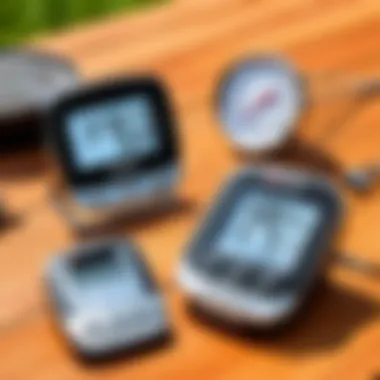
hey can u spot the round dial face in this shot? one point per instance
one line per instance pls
(260, 102)
(31, 80)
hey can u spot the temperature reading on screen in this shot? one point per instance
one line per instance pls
(113, 133)
(268, 231)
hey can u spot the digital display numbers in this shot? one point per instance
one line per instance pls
(112, 133)
(269, 231)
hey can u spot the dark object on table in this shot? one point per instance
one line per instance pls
(1, 212)
(30, 81)
(363, 179)
(7, 219)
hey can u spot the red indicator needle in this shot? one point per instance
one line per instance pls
(265, 100)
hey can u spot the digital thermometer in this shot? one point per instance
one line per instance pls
(259, 102)
(260, 250)
(115, 145)
(105, 298)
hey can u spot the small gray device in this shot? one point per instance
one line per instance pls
(105, 298)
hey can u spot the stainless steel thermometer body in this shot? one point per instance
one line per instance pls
(259, 102)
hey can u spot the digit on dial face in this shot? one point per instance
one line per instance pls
(260, 103)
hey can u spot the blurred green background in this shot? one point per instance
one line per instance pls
(22, 19)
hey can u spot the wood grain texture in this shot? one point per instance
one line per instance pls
(189, 43)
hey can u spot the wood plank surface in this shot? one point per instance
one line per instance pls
(189, 44)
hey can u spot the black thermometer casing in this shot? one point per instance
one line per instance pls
(136, 172)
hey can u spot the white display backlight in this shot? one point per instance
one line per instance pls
(269, 231)
(113, 133)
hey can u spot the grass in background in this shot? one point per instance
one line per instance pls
(20, 19)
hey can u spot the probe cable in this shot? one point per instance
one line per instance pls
(361, 92)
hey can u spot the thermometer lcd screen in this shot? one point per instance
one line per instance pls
(103, 274)
(269, 231)
(113, 133)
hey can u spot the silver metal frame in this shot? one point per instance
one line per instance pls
(91, 208)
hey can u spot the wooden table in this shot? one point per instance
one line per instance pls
(189, 43)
